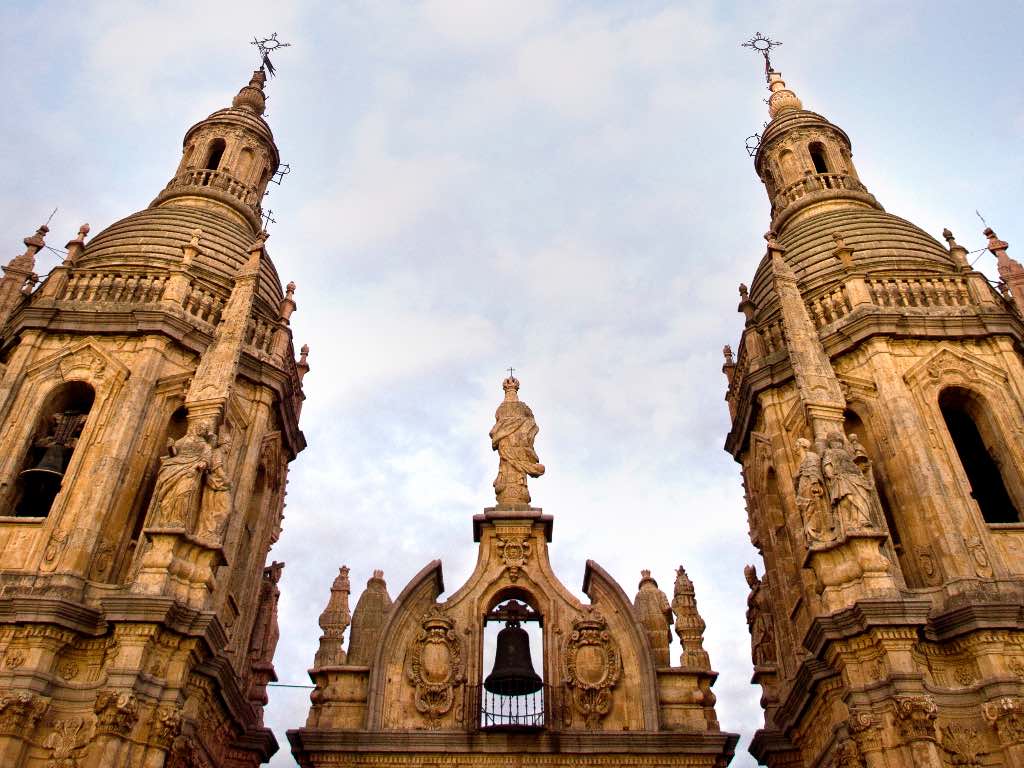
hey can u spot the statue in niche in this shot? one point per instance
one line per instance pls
(811, 499)
(851, 492)
(512, 437)
(192, 487)
(215, 506)
(759, 619)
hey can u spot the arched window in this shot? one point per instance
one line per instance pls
(977, 444)
(215, 154)
(817, 150)
(54, 439)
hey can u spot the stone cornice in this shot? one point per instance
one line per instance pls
(39, 609)
(305, 740)
(863, 616)
(976, 617)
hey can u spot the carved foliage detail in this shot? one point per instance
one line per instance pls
(436, 669)
(1006, 715)
(916, 717)
(19, 712)
(592, 666)
(116, 712)
(66, 742)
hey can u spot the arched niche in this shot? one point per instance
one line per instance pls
(58, 425)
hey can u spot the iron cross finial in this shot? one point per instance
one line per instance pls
(510, 370)
(266, 46)
(762, 45)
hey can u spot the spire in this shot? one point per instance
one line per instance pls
(655, 615)
(1010, 270)
(18, 274)
(689, 624)
(368, 620)
(782, 99)
(251, 96)
(334, 621)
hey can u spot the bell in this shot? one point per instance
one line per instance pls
(42, 483)
(513, 673)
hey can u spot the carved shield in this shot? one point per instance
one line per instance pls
(436, 663)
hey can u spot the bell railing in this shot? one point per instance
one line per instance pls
(495, 711)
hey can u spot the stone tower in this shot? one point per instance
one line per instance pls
(413, 688)
(877, 403)
(149, 407)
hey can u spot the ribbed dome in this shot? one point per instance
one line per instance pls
(159, 234)
(881, 243)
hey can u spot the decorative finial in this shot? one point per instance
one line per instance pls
(267, 46)
(512, 437)
(302, 365)
(762, 45)
(251, 96)
(727, 354)
(744, 292)
(287, 306)
(76, 246)
(957, 251)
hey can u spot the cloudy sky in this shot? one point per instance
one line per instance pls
(557, 186)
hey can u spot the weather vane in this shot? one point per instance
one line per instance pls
(762, 45)
(282, 170)
(267, 46)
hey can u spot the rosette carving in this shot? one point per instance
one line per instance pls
(436, 668)
(592, 666)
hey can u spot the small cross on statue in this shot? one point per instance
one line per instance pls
(762, 45)
(510, 371)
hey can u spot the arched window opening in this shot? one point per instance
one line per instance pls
(974, 439)
(817, 150)
(216, 153)
(513, 693)
(54, 439)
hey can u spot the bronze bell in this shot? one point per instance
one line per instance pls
(513, 673)
(42, 483)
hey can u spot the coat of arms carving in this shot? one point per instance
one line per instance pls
(591, 665)
(436, 668)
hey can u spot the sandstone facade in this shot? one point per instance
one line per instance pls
(149, 406)
(877, 403)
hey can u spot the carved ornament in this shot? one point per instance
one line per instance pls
(1006, 715)
(65, 743)
(166, 725)
(514, 551)
(916, 717)
(591, 665)
(19, 712)
(436, 668)
(963, 743)
(116, 712)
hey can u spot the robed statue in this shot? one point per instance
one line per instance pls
(512, 437)
(851, 491)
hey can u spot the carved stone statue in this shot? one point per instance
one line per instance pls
(759, 620)
(655, 615)
(215, 506)
(512, 437)
(265, 634)
(852, 493)
(179, 482)
(368, 620)
(815, 508)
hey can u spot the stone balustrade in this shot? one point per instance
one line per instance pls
(829, 307)
(815, 182)
(225, 182)
(117, 287)
(203, 304)
(259, 336)
(773, 336)
(919, 292)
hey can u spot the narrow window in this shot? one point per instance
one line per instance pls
(216, 153)
(988, 486)
(818, 158)
(53, 442)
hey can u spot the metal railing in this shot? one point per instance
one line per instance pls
(496, 712)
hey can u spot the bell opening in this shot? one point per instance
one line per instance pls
(512, 696)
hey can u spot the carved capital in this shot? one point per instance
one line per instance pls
(915, 716)
(20, 711)
(166, 725)
(863, 727)
(1006, 715)
(116, 712)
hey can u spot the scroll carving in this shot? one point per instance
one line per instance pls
(436, 668)
(116, 712)
(1006, 715)
(19, 712)
(592, 667)
(916, 717)
(514, 552)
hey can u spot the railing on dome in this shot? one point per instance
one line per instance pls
(497, 712)
(814, 182)
(204, 177)
(118, 287)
